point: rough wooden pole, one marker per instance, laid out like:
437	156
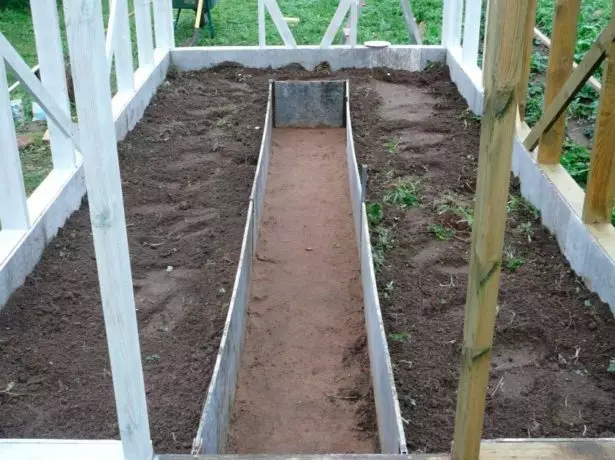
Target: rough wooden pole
527	59
598	206
86	43
501	75
561	57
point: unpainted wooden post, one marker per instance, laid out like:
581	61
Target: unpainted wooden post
145	41
598	206
471	32
163	24
13	204
501	79
86	42
46	25
561	57
527	59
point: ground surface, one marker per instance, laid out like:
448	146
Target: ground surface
187	172
304	381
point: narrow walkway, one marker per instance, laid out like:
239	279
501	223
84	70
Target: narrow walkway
302	381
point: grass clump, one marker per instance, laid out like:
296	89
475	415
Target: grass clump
512	261
441	232
404	194
398	336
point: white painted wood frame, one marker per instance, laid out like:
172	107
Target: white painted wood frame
413	29
451	23
163	24
24	74
336	23
354	22
280	23
46	24
262	41
122	49
143	24
84	27
13	205
471	32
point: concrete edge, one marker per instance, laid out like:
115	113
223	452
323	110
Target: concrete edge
390	425
399	57
556	196
211	436
61	192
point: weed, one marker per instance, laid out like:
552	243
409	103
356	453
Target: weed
517	203
404	194
575	159
611	367
441	232
398	336
382	241
512	261
526	229
391	147
374	214
152	358
388	289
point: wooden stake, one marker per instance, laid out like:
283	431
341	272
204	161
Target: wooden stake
600	192
561	57
86	42
501	75
579	77
527	59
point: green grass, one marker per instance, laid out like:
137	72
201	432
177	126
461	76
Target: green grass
441	232
403	194
35	162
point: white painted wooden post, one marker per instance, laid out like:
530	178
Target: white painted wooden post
451	23
13	204
261	24
471	32
84	27
354	20
145	41
280	23
122	46
163	24
335	24
46	25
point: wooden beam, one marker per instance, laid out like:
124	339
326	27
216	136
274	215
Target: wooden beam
280	24
542	38
413	29
598	205
261	24
471	32
143	25
86	43
501	75
335	24
575	82
527	59
46	24
561	57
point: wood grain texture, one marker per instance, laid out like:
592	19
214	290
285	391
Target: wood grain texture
600	192
579	77
528	45
561	57
84	29
501	75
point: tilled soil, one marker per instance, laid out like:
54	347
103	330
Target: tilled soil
187	171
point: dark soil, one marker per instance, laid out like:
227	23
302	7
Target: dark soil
187	171
553	339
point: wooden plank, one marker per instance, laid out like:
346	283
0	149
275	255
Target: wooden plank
84	29
24	74
354	22
501	75
335	24
471	32
163	24
262	42
598	206
123	49
143	25
451	23
46	26
593	82
14	207
527	59
580	75
413	30
280	23
561	57
111	31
